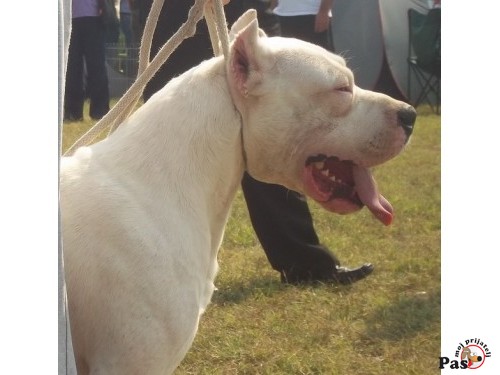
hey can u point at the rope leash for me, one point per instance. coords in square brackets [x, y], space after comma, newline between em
[213, 10]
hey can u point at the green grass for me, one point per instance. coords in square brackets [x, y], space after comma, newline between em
[387, 324]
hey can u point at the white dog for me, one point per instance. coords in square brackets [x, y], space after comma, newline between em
[143, 212]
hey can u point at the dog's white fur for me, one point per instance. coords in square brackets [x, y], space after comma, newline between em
[143, 212]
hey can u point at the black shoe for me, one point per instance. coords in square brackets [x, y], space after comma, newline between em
[341, 275]
[346, 276]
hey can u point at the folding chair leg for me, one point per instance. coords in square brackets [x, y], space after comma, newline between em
[428, 85]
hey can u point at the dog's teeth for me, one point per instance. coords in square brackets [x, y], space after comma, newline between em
[319, 164]
[325, 172]
[332, 178]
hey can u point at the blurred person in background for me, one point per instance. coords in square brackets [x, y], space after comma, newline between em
[86, 54]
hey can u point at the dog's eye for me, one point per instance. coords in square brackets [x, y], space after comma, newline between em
[344, 89]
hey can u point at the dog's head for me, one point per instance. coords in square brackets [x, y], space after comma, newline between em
[307, 126]
[467, 353]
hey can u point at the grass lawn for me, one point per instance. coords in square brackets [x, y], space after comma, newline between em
[388, 324]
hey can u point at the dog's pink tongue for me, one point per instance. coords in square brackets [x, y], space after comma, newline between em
[366, 187]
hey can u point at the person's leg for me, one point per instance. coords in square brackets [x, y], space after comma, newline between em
[283, 224]
[95, 60]
[126, 27]
[73, 93]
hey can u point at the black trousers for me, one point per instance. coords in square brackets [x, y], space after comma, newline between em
[280, 217]
[86, 48]
[283, 224]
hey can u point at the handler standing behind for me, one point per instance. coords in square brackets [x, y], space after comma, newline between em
[308, 20]
[280, 217]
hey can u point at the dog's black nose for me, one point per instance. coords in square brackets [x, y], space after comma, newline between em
[406, 119]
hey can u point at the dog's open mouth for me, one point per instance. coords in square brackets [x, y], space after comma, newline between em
[344, 187]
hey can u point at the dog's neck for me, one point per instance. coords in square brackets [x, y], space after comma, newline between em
[195, 128]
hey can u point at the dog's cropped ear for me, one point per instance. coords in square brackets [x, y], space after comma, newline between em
[465, 353]
[247, 57]
[242, 22]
